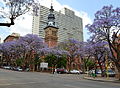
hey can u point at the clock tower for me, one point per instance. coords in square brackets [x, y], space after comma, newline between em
[51, 30]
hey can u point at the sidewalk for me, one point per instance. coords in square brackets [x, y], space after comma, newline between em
[102, 79]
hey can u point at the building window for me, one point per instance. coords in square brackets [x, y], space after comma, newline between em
[64, 29]
[73, 28]
[54, 33]
[40, 31]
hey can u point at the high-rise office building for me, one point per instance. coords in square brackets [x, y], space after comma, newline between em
[70, 25]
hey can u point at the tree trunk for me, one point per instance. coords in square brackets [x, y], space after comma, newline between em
[101, 68]
[52, 69]
[118, 70]
[119, 75]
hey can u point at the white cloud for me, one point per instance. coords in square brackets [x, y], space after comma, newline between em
[24, 26]
[47, 3]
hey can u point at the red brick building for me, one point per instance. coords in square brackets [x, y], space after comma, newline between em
[51, 36]
[13, 36]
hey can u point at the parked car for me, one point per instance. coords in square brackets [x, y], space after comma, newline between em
[17, 69]
[98, 71]
[110, 73]
[7, 67]
[61, 70]
[75, 71]
[27, 69]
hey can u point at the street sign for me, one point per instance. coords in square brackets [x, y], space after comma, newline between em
[43, 65]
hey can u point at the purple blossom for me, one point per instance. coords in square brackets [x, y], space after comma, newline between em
[19, 7]
[12, 9]
[107, 20]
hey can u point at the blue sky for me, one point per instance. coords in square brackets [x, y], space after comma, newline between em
[90, 7]
[85, 8]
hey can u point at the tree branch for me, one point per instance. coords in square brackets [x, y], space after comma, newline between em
[8, 24]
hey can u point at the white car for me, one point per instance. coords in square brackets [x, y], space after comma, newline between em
[6, 67]
[18, 69]
[75, 71]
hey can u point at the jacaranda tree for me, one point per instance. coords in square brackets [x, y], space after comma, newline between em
[12, 9]
[6, 52]
[99, 50]
[106, 26]
[73, 47]
[25, 49]
[33, 44]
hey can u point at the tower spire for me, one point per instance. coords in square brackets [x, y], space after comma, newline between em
[51, 30]
[51, 17]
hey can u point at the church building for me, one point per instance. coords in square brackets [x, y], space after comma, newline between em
[51, 30]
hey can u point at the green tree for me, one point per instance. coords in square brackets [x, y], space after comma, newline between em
[89, 64]
[55, 62]
[61, 63]
[19, 62]
[51, 59]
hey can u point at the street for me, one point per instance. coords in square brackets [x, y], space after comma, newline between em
[14, 79]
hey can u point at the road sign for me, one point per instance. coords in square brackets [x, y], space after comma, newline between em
[43, 65]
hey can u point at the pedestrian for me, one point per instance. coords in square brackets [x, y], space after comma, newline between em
[55, 71]
[93, 73]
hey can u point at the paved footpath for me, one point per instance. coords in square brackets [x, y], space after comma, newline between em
[104, 79]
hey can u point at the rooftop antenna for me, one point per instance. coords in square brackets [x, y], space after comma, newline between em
[51, 9]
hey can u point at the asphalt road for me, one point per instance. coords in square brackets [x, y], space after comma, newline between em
[13, 79]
